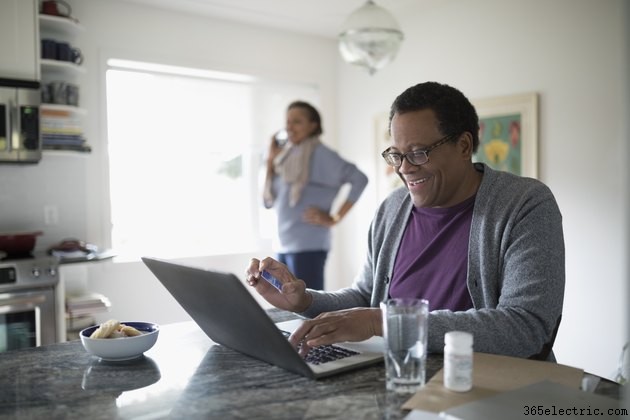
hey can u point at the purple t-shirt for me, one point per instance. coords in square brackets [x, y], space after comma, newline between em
[432, 258]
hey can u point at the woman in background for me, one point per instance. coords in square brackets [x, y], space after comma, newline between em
[303, 179]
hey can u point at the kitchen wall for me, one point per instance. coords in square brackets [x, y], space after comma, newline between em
[572, 52]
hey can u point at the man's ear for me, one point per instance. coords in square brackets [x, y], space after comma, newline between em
[465, 144]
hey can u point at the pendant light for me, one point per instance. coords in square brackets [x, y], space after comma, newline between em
[370, 37]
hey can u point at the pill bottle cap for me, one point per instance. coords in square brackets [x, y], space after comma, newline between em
[458, 339]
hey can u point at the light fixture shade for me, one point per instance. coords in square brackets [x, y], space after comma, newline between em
[370, 37]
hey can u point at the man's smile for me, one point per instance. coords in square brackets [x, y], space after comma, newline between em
[413, 183]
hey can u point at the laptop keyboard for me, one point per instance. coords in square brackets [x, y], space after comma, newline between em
[324, 354]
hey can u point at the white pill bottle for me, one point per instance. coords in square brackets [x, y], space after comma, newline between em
[458, 361]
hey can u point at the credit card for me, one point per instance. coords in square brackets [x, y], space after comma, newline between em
[271, 280]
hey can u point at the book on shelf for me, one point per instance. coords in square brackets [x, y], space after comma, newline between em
[87, 304]
[63, 138]
[61, 123]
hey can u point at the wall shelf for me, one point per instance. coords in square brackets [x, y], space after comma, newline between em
[61, 67]
[61, 124]
[65, 153]
[60, 25]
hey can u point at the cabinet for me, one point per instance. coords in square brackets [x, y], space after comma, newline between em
[61, 113]
[19, 40]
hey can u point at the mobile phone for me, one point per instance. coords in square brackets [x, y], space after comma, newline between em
[281, 137]
[271, 279]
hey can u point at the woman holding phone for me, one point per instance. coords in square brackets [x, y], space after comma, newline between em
[303, 179]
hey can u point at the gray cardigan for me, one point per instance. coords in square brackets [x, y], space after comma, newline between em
[516, 269]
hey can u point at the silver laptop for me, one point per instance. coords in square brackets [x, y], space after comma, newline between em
[227, 312]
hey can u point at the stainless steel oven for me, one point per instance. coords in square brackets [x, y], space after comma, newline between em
[29, 303]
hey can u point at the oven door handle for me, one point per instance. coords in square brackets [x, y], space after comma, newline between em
[15, 302]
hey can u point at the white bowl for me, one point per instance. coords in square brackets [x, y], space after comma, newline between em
[126, 348]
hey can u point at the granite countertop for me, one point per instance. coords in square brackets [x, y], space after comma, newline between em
[185, 375]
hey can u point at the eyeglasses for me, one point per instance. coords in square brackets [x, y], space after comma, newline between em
[415, 157]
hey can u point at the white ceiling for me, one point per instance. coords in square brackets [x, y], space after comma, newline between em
[315, 17]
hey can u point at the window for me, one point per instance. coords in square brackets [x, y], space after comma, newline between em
[185, 152]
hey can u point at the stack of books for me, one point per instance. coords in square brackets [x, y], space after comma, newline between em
[80, 310]
[87, 304]
[61, 130]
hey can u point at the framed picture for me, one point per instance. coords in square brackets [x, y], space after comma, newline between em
[508, 133]
[386, 178]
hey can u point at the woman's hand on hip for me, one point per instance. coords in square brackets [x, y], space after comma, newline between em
[316, 216]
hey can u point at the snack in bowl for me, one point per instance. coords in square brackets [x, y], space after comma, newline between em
[114, 329]
[115, 341]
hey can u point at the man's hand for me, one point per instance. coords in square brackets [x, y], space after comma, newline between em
[356, 324]
[291, 296]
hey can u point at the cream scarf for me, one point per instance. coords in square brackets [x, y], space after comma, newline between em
[293, 165]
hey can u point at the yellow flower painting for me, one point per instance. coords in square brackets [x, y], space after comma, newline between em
[496, 151]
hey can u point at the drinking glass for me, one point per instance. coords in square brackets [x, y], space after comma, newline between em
[405, 330]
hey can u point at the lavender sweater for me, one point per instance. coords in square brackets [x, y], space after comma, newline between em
[516, 268]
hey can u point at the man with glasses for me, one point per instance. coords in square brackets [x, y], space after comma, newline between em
[485, 247]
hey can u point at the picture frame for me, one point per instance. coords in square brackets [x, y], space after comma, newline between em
[508, 133]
